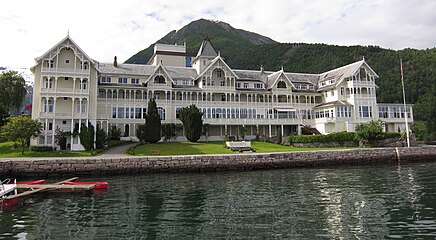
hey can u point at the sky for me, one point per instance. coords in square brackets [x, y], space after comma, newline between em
[105, 28]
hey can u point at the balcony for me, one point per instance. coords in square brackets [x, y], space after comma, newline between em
[51, 115]
[65, 70]
[251, 121]
[65, 90]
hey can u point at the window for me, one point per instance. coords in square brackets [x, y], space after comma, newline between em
[122, 80]
[238, 85]
[114, 112]
[83, 84]
[67, 61]
[332, 93]
[120, 112]
[64, 122]
[138, 113]
[105, 79]
[245, 85]
[257, 85]
[342, 91]
[135, 80]
[50, 126]
[84, 65]
[161, 112]
[48, 105]
[365, 111]
[281, 84]
[159, 79]
[222, 83]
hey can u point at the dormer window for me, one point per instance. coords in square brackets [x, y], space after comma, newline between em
[281, 84]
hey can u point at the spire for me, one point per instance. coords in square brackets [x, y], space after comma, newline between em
[282, 68]
[206, 49]
[68, 32]
[363, 58]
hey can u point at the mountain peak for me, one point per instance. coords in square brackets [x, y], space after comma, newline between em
[225, 38]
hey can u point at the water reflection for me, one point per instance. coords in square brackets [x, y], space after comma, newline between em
[341, 203]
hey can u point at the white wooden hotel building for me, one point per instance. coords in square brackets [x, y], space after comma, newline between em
[70, 87]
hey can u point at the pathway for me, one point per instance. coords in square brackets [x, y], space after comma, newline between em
[117, 151]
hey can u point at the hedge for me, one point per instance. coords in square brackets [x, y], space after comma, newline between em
[41, 148]
[335, 137]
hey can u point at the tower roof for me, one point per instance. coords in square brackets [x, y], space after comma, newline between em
[206, 49]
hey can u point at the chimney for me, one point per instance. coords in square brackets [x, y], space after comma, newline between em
[261, 68]
[115, 61]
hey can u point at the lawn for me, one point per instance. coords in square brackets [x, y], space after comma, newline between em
[189, 148]
[7, 151]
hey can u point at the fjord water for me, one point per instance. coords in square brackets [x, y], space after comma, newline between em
[367, 202]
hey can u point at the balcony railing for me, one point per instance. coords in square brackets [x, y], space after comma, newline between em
[65, 70]
[65, 90]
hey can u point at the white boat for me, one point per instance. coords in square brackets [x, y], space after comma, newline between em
[7, 188]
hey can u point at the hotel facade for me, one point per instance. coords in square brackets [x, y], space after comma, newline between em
[71, 89]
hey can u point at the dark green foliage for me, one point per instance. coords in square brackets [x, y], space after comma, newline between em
[101, 139]
[140, 132]
[21, 129]
[152, 123]
[114, 133]
[87, 136]
[371, 130]
[12, 91]
[388, 135]
[61, 138]
[242, 132]
[192, 122]
[279, 135]
[332, 137]
[41, 148]
[169, 131]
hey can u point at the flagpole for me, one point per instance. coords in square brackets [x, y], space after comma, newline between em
[404, 100]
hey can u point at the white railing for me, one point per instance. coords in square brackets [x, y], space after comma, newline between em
[65, 70]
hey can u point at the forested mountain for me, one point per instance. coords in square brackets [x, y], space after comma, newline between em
[246, 50]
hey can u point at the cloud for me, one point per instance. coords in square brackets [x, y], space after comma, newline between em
[105, 30]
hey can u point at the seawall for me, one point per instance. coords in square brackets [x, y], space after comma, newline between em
[129, 164]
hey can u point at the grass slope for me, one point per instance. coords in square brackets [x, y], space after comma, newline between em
[199, 148]
[7, 151]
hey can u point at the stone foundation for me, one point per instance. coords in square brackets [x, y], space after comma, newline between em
[97, 166]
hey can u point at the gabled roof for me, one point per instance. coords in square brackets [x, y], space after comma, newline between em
[160, 66]
[274, 77]
[342, 72]
[216, 59]
[67, 38]
[206, 49]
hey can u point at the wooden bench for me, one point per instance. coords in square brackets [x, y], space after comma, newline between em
[239, 146]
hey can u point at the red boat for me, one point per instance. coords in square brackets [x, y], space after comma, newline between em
[32, 182]
[98, 185]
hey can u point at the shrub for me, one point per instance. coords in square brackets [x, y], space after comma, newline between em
[87, 136]
[369, 131]
[41, 148]
[115, 133]
[101, 139]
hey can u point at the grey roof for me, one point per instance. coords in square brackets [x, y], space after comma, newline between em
[251, 75]
[181, 73]
[335, 103]
[206, 49]
[128, 69]
[303, 78]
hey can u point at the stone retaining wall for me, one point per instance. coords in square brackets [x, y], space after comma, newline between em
[97, 166]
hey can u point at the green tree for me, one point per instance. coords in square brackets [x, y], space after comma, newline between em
[368, 131]
[168, 131]
[21, 129]
[61, 138]
[12, 93]
[114, 133]
[242, 132]
[152, 123]
[101, 138]
[87, 136]
[192, 122]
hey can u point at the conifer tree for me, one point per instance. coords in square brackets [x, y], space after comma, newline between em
[192, 122]
[152, 123]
